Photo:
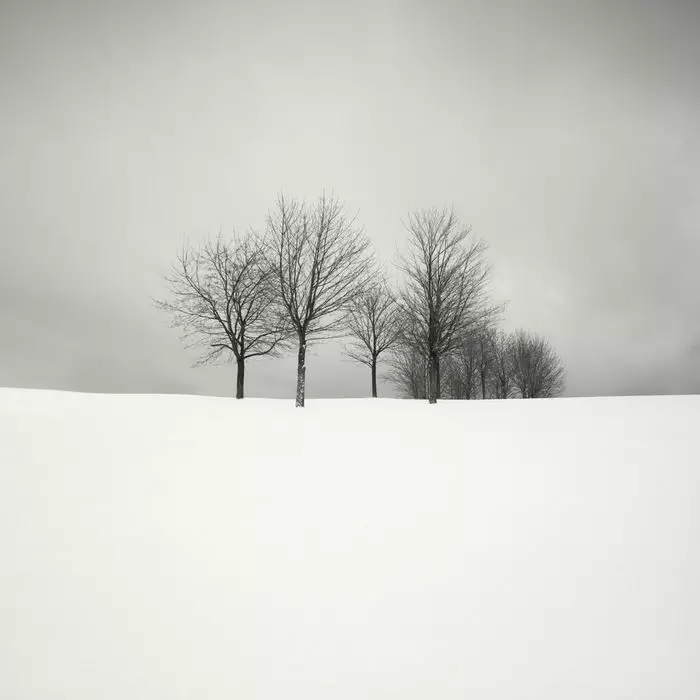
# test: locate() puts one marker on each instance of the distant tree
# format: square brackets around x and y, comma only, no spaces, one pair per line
[485,337]
[502,380]
[445,287]
[320,264]
[408,371]
[461,369]
[537,370]
[374,327]
[221,296]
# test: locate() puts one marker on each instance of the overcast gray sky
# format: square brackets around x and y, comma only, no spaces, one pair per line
[566,133]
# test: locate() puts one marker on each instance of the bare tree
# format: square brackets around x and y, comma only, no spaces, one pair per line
[461,369]
[222,298]
[502,366]
[320,264]
[537,370]
[408,371]
[445,288]
[485,337]
[373,323]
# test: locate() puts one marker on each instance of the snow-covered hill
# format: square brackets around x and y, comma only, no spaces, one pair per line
[172,548]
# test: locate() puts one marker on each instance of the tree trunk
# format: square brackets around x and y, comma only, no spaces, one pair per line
[240,378]
[374,378]
[432,379]
[483,384]
[437,378]
[301,373]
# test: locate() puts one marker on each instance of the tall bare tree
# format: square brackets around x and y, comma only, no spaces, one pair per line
[537,370]
[445,287]
[221,296]
[320,262]
[374,327]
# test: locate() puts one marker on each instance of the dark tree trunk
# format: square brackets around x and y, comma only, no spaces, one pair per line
[432,378]
[437,378]
[240,378]
[374,378]
[483,384]
[301,373]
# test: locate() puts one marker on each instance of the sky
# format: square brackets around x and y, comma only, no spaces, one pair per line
[567,134]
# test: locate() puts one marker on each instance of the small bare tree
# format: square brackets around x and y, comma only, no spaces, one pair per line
[222,297]
[373,323]
[461,369]
[408,371]
[485,337]
[502,366]
[445,289]
[537,370]
[320,264]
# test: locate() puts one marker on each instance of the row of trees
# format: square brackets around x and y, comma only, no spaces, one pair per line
[311,277]
[488,364]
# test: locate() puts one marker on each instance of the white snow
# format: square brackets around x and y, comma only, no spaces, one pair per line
[171,547]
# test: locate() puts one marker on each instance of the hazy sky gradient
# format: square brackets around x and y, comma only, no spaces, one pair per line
[566,134]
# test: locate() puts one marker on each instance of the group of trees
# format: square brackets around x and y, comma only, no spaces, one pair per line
[311,277]
[487,364]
